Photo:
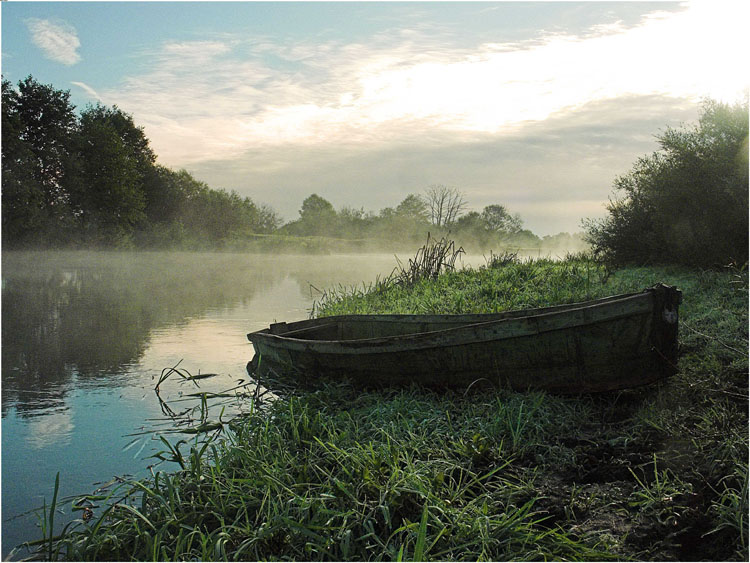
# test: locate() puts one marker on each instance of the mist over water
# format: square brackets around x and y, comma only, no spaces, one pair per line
[85,334]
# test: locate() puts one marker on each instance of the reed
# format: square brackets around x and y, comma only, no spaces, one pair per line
[432,259]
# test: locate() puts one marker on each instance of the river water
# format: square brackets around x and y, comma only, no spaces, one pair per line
[85,336]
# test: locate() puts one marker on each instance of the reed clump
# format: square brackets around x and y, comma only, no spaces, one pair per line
[432,259]
[338,473]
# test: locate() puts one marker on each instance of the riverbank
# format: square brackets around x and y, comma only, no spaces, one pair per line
[334,473]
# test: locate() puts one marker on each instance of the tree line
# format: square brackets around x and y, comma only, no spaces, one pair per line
[91,179]
[439,209]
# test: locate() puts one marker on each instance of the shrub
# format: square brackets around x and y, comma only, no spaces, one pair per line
[686,203]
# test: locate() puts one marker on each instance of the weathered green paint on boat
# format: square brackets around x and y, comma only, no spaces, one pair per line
[611,343]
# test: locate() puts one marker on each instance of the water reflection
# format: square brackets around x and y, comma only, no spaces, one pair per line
[50,428]
[84,334]
[76,316]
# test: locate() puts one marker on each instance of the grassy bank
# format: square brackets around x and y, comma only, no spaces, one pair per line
[335,473]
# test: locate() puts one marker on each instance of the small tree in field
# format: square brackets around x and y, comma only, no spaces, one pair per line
[686,203]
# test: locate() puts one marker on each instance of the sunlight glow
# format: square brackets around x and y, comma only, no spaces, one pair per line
[221,104]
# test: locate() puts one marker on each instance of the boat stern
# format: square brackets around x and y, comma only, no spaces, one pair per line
[667,300]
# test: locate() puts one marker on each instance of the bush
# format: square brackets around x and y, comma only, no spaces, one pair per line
[686,203]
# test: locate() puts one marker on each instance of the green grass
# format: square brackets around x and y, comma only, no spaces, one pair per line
[337,473]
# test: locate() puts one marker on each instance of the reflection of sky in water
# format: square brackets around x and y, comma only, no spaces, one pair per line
[112,325]
[73,411]
[50,428]
[218,341]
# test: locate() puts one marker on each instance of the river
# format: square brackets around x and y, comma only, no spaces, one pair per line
[86,335]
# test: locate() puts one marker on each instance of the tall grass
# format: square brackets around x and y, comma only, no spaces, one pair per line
[435,257]
[408,475]
[505,284]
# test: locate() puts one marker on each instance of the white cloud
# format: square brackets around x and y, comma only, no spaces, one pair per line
[54,428]
[88,89]
[365,123]
[208,100]
[58,40]
[544,171]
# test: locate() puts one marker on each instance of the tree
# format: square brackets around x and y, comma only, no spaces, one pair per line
[470,222]
[686,203]
[166,193]
[386,214]
[315,207]
[48,124]
[353,222]
[317,216]
[406,222]
[38,126]
[444,205]
[471,227]
[22,195]
[94,178]
[109,197]
[412,207]
[268,219]
[497,219]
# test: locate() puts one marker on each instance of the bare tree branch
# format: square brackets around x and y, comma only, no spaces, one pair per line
[444,204]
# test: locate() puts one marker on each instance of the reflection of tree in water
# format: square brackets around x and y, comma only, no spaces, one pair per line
[90,314]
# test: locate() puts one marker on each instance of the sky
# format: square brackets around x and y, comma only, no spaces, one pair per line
[538,106]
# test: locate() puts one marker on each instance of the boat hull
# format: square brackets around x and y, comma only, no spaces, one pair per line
[613,343]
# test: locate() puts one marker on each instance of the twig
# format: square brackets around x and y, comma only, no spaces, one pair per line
[727,346]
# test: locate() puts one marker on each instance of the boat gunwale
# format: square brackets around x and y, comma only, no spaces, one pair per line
[434,338]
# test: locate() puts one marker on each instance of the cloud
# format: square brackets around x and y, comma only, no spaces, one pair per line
[53,428]
[537,123]
[88,89]
[57,40]
[207,100]
[554,172]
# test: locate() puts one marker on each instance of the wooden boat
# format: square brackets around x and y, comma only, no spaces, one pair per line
[612,343]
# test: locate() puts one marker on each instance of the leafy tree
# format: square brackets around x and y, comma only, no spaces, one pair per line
[48,124]
[497,219]
[167,192]
[314,207]
[687,202]
[268,219]
[95,178]
[386,214]
[413,207]
[471,227]
[317,217]
[185,211]
[22,196]
[38,126]
[494,226]
[408,221]
[109,197]
[353,222]
[212,217]
[471,222]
